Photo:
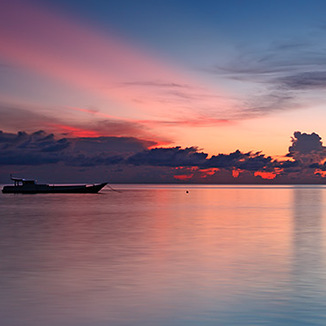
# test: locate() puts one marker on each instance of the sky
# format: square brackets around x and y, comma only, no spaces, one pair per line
[163,91]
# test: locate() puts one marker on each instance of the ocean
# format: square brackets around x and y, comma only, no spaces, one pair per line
[164,255]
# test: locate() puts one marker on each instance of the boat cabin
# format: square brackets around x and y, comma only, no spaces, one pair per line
[21,182]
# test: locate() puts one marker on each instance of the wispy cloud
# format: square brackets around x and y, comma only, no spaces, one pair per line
[100,64]
[19,117]
[277,73]
[304,80]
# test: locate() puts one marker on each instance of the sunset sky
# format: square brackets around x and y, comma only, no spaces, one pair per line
[112,83]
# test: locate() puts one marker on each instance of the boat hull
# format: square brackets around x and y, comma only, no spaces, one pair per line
[47,189]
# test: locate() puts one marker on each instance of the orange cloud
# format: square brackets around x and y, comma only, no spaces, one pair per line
[320,173]
[208,172]
[183,176]
[265,175]
[190,172]
[236,173]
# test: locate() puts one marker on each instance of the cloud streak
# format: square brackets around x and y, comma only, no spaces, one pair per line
[100,64]
[305,81]
[282,72]
[94,124]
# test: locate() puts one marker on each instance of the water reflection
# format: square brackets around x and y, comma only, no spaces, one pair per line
[307,230]
[159,256]
[309,278]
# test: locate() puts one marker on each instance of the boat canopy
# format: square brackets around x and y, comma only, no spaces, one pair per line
[18,181]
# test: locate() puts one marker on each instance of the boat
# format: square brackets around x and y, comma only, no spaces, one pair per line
[28,186]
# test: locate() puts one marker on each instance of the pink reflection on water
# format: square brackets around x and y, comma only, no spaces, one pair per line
[154,255]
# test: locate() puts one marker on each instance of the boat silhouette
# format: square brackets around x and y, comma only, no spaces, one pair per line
[29,186]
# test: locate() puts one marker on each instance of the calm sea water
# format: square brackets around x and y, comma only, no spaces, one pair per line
[156,255]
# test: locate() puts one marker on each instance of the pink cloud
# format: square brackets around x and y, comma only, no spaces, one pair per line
[74,131]
[191,122]
[103,65]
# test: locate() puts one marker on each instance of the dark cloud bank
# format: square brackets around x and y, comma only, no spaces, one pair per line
[127,159]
